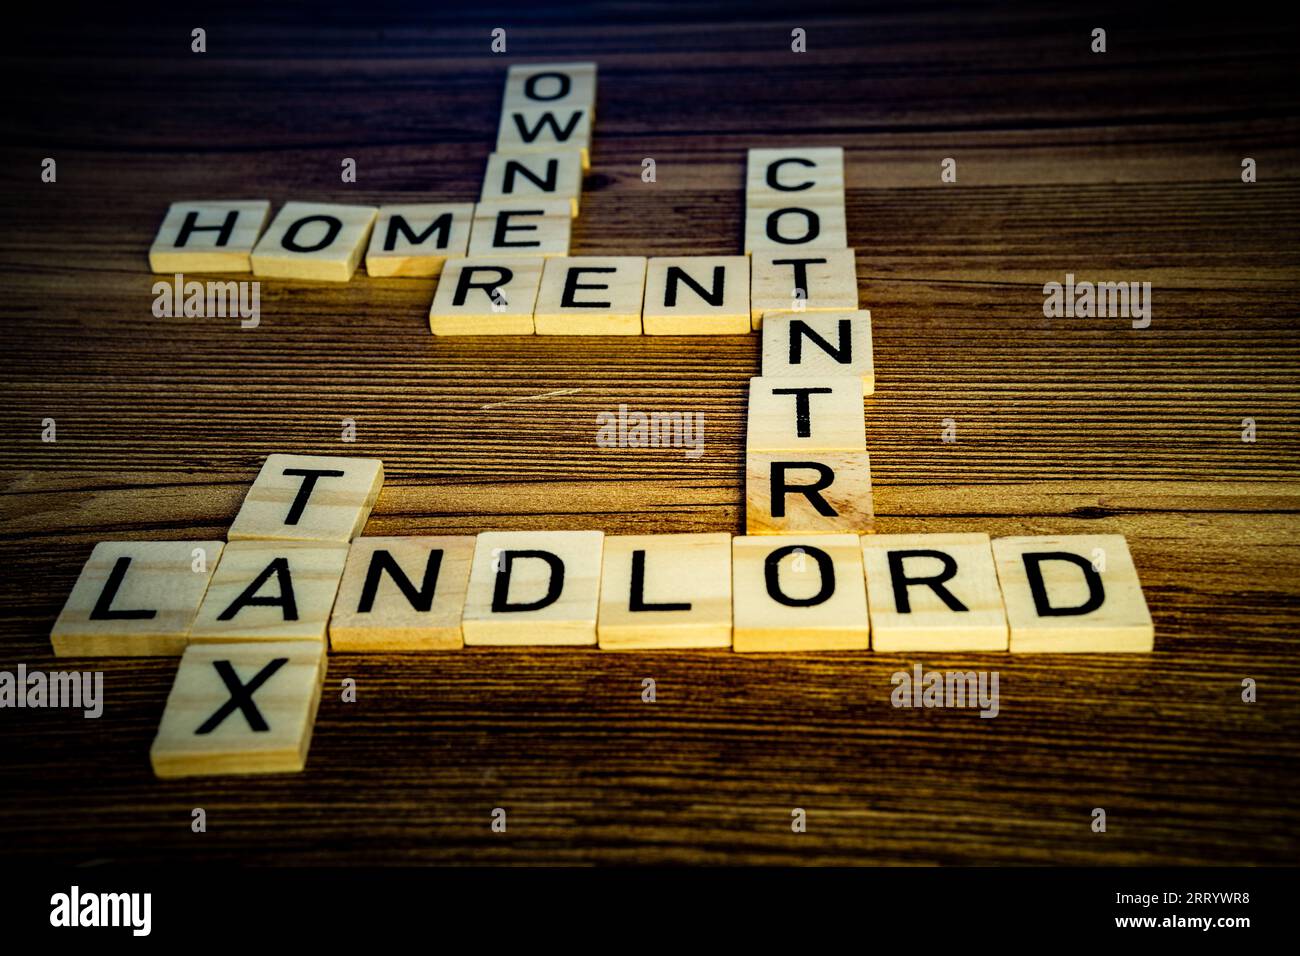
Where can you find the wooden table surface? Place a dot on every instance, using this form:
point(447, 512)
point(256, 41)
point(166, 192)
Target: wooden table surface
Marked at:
point(1118, 166)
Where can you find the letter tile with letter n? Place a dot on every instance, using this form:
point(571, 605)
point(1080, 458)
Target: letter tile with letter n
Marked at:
point(208, 236)
point(665, 591)
point(591, 296)
point(545, 129)
point(314, 241)
point(416, 239)
point(799, 593)
point(271, 591)
point(697, 295)
point(821, 345)
point(521, 227)
point(240, 709)
point(933, 592)
point(135, 599)
point(813, 280)
point(402, 594)
point(533, 587)
point(486, 295)
point(797, 229)
point(531, 176)
point(1072, 593)
point(554, 85)
point(805, 414)
point(309, 498)
point(821, 492)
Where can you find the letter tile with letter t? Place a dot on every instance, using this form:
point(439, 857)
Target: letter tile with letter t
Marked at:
point(240, 709)
point(309, 498)
point(1072, 593)
point(534, 587)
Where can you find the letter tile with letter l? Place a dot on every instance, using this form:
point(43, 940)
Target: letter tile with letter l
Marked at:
point(240, 709)
point(309, 498)
point(314, 241)
point(1072, 593)
point(534, 587)
point(799, 593)
point(821, 492)
point(665, 591)
point(819, 345)
point(208, 236)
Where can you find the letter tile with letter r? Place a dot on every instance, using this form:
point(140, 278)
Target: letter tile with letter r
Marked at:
point(820, 492)
point(486, 295)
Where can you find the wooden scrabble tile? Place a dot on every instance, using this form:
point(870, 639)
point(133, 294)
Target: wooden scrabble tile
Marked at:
point(1072, 593)
point(240, 709)
point(521, 227)
point(208, 236)
point(135, 599)
point(533, 587)
point(799, 593)
point(819, 345)
point(415, 239)
point(271, 591)
point(824, 492)
point(486, 295)
point(402, 594)
point(545, 129)
point(553, 85)
point(794, 177)
point(532, 176)
point(591, 296)
point(320, 241)
point(933, 592)
point(805, 414)
point(665, 591)
point(795, 229)
point(814, 280)
point(697, 295)
point(309, 498)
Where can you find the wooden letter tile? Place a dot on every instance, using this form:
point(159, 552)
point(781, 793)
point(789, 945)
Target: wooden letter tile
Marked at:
point(532, 129)
point(1072, 593)
point(534, 587)
point(402, 594)
point(820, 345)
point(795, 177)
point(814, 280)
point(240, 709)
point(135, 599)
point(933, 592)
point(591, 296)
point(666, 591)
point(314, 241)
point(554, 85)
point(208, 236)
point(309, 498)
point(697, 295)
point(416, 239)
point(486, 295)
point(823, 492)
point(512, 177)
point(799, 593)
point(521, 227)
point(805, 414)
point(798, 230)
point(271, 591)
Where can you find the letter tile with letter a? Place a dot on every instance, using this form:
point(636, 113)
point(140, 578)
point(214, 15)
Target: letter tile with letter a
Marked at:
point(486, 295)
point(208, 236)
point(799, 593)
point(319, 241)
point(240, 709)
point(814, 280)
point(416, 239)
point(821, 492)
point(591, 296)
point(933, 592)
point(697, 295)
point(665, 591)
point(534, 587)
point(1075, 592)
point(819, 345)
point(805, 414)
point(271, 591)
point(136, 599)
point(402, 594)
point(309, 498)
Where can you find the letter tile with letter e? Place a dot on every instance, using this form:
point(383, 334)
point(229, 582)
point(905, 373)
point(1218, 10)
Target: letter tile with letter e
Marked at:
point(697, 295)
point(320, 241)
point(521, 227)
point(486, 295)
point(813, 280)
point(136, 599)
point(240, 709)
point(309, 498)
point(805, 414)
point(591, 295)
point(822, 492)
point(534, 587)
point(208, 236)
point(416, 239)
point(665, 591)
point(933, 592)
point(799, 593)
point(1073, 593)
point(819, 345)
point(402, 594)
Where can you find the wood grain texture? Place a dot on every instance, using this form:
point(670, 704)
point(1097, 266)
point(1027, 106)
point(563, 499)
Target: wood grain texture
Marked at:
point(1117, 167)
